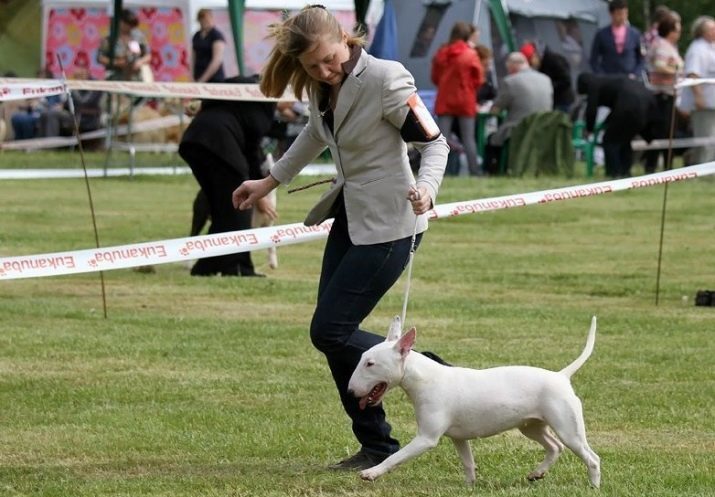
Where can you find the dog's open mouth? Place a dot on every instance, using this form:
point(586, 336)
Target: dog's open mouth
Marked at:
point(375, 395)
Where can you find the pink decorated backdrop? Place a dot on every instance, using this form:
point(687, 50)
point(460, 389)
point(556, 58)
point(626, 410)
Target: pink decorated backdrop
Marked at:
point(75, 35)
point(256, 47)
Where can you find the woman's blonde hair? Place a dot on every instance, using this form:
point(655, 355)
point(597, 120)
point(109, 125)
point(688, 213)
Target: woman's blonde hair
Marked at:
point(293, 37)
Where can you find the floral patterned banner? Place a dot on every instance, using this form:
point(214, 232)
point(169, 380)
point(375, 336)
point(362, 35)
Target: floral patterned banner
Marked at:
point(75, 34)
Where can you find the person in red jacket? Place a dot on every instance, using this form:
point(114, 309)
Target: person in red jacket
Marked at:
point(457, 73)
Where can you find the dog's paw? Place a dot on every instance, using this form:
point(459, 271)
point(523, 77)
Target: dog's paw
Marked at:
point(272, 258)
point(534, 476)
point(369, 474)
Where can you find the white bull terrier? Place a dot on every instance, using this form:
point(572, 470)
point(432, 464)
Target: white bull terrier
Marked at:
point(467, 403)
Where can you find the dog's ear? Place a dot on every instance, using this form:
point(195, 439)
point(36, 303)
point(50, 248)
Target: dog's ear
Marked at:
point(393, 334)
point(404, 345)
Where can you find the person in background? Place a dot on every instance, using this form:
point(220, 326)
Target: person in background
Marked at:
point(131, 52)
point(87, 103)
point(633, 111)
point(24, 120)
point(31, 119)
point(571, 41)
point(699, 101)
point(222, 145)
point(557, 68)
point(208, 45)
point(7, 109)
point(522, 93)
point(664, 65)
point(488, 90)
point(617, 48)
point(55, 116)
point(365, 110)
point(457, 73)
point(650, 36)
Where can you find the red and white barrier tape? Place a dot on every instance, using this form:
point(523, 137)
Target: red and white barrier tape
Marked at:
point(18, 89)
point(21, 88)
point(571, 192)
point(180, 249)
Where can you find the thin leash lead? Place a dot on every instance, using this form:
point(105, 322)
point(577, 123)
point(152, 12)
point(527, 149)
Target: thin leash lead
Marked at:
point(409, 265)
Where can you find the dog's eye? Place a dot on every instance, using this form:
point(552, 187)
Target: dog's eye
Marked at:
point(369, 364)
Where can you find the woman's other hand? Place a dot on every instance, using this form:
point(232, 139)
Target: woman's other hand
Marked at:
point(420, 199)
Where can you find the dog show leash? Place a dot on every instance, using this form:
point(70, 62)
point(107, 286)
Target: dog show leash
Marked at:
point(416, 192)
point(415, 196)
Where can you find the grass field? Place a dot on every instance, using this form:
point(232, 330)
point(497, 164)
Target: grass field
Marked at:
point(210, 386)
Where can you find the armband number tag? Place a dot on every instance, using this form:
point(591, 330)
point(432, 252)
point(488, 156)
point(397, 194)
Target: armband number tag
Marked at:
point(424, 118)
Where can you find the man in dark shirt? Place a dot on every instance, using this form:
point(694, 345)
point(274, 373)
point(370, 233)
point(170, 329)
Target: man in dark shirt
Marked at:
point(208, 46)
point(222, 145)
point(557, 68)
point(633, 111)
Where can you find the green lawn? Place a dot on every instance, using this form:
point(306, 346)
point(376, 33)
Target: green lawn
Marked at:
point(210, 386)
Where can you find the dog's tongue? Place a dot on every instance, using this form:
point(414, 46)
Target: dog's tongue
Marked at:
point(363, 402)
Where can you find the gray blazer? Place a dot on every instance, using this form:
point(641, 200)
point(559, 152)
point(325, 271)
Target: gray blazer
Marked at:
point(370, 156)
point(521, 94)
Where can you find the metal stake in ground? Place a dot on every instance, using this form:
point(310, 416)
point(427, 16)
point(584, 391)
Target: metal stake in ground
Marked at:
point(86, 177)
point(668, 165)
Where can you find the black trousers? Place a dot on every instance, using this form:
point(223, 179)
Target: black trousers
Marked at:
point(218, 180)
point(618, 157)
point(353, 280)
point(661, 129)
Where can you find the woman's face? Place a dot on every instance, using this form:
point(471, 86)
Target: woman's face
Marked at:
point(674, 35)
point(124, 27)
point(206, 22)
point(323, 61)
point(709, 31)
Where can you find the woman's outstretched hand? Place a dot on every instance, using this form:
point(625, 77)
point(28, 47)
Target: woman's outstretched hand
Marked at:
point(246, 195)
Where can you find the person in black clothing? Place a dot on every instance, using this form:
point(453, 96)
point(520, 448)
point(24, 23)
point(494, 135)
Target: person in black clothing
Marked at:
point(208, 45)
point(633, 112)
point(222, 145)
point(558, 69)
point(488, 90)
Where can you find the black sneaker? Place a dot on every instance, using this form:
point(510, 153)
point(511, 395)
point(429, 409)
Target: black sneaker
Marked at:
point(359, 461)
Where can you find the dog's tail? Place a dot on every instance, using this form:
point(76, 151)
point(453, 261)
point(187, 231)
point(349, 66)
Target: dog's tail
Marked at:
point(580, 360)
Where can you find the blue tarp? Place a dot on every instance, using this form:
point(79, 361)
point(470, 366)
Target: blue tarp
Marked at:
point(384, 43)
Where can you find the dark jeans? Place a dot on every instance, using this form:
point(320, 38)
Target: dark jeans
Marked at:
point(661, 129)
point(24, 125)
point(352, 281)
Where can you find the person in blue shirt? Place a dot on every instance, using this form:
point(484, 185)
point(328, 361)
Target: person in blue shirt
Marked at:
point(617, 48)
